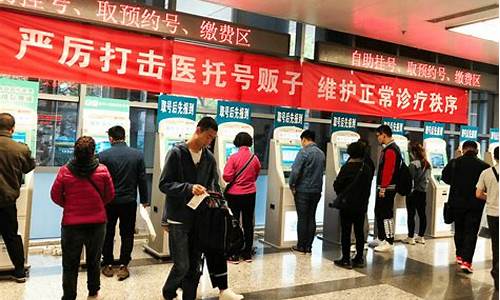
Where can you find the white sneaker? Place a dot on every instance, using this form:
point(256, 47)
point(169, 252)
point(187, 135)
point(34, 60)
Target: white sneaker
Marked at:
point(409, 240)
point(420, 240)
point(228, 294)
point(384, 247)
point(374, 243)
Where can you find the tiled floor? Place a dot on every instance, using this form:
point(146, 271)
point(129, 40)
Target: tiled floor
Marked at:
point(412, 272)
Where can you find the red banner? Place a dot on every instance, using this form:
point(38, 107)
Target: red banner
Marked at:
point(54, 49)
point(355, 92)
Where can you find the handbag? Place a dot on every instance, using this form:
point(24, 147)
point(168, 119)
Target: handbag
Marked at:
point(217, 230)
point(448, 214)
point(232, 182)
point(340, 202)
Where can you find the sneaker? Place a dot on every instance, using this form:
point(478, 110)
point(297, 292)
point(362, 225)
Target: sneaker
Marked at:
point(108, 271)
point(358, 263)
point(343, 263)
point(228, 294)
point(466, 267)
point(385, 246)
point(420, 240)
point(19, 276)
point(123, 273)
point(234, 259)
point(299, 250)
point(374, 243)
point(409, 240)
point(459, 260)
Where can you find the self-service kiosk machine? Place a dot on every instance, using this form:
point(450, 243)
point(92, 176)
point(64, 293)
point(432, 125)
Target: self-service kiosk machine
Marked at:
point(232, 118)
point(281, 216)
point(438, 191)
point(336, 157)
point(24, 124)
point(173, 127)
point(400, 213)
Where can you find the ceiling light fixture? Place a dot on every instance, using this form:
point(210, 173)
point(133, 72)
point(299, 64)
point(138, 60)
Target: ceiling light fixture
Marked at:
point(484, 29)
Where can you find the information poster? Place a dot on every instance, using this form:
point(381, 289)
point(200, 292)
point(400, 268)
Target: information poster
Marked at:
point(20, 99)
point(100, 114)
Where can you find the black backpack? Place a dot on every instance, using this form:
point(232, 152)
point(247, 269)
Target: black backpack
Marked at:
point(404, 180)
point(216, 230)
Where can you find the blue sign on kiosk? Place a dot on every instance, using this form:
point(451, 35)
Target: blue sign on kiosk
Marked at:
point(433, 130)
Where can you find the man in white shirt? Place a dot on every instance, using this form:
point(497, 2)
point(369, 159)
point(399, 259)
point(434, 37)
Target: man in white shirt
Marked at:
point(487, 189)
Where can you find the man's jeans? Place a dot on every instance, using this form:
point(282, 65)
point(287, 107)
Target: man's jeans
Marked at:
point(73, 238)
point(187, 261)
point(306, 204)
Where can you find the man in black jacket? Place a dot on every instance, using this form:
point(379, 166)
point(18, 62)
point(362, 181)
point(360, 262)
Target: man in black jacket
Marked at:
point(15, 160)
point(126, 166)
point(462, 175)
point(190, 170)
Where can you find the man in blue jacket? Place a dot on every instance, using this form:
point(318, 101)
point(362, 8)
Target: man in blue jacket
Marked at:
point(190, 170)
point(306, 183)
point(126, 166)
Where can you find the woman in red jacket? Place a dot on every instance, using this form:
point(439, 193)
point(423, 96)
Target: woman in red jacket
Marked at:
point(241, 195)
point(82, 188)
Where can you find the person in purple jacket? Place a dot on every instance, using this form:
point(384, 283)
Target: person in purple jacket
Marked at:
point(241, 195)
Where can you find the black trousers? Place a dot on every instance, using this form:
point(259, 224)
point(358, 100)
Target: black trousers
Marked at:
point(73, 238)
point(188, 264)
point(13, 241)
point(217, 268)
point(126, 213)
point(467, 223)
point(384, 214)
point(493, 226)
point(347, 220)
point(415, 203)
point(243, 206)
point(306, 204)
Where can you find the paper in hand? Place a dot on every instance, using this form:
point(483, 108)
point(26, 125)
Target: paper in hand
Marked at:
point(196, 200)
point(145, 216)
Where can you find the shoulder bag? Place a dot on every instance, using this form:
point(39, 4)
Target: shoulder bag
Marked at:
point(340, 202)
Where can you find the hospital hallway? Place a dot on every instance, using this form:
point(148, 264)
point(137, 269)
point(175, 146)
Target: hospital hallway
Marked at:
point(413, 272)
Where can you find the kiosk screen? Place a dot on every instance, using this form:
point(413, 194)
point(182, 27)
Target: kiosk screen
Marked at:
point(169, 144)
point(230, 149)
point(344, 157)
point(101, 146)
point(19, 137)
point(437, 160)
point(288, 154)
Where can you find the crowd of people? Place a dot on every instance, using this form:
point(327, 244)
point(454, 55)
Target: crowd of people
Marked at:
point(95, 191)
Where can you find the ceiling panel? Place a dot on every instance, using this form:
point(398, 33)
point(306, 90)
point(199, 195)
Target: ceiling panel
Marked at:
point(398, 21)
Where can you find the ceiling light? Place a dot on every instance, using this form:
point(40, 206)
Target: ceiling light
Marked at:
point(486, 29)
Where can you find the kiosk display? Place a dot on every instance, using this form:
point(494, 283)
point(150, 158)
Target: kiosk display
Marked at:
point(437, 160)
point(288, 154)
point(230, 150)
point(344, 157)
